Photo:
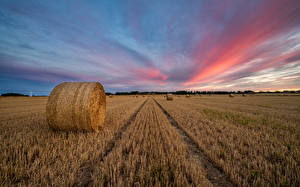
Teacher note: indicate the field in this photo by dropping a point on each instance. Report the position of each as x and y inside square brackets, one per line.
[149, 141]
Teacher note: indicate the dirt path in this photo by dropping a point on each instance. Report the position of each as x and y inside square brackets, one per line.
[214, 173]
[151, 153]
[112, 143]
[86, 169]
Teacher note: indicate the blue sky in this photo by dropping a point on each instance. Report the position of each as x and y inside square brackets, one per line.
[151, 45]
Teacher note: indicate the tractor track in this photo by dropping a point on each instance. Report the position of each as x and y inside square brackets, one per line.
[215, 174]
[112, 143]
[84, 178]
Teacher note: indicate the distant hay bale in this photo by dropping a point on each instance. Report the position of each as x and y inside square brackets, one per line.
[76, 106]
[110, 96]
[230, 95]
[244, 95]
[187, 96]
[169, 97]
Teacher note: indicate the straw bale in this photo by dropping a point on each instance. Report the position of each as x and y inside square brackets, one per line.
[169, 97]
[76, 106]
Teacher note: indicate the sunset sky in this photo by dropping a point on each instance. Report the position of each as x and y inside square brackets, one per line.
[150, 45]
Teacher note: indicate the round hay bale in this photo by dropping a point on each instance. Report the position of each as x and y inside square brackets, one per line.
[230, 95]
[187, 96]
[169, 97]
[76, 106]
[110, 96]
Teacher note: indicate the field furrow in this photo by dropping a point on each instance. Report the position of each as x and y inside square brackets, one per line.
[250, 156]
[85, 170]
[151, 153]
[215, 174]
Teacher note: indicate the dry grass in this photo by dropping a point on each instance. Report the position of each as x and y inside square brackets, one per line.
[150, 153]
[254, 140]
[32, 154]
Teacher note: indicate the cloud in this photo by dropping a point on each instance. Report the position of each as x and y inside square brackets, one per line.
[242, 35]
[143, 45]
[283, 77]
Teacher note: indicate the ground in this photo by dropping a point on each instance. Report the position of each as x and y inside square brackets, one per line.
[149, 141]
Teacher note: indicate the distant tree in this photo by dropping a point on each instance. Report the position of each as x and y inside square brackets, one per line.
[134, 92]
[13, 94]
[249, 91]
[182, 92]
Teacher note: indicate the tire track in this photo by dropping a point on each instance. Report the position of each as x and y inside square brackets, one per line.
[215, 174]
[112, 143]
[84, 177]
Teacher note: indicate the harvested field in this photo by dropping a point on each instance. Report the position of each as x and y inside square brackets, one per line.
[253, 140]
[149, 141]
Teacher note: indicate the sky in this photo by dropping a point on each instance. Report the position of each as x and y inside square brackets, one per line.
[150, 45]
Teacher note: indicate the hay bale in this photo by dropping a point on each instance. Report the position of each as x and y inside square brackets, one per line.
[169, 97]
[187, 96]
[110, 96]
[244, 95]
[76, 106]
[230, 95]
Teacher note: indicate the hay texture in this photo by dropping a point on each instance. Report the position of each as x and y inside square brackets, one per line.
[169, 97]
[76, 106]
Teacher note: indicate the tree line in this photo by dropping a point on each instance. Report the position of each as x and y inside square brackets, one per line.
[184, 92]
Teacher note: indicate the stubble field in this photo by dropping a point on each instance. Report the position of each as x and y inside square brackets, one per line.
[149, 141]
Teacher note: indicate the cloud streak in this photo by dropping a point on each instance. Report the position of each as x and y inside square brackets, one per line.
[241, 36]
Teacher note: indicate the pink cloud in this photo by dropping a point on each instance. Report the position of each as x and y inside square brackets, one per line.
[149, 74]
[237, 42]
